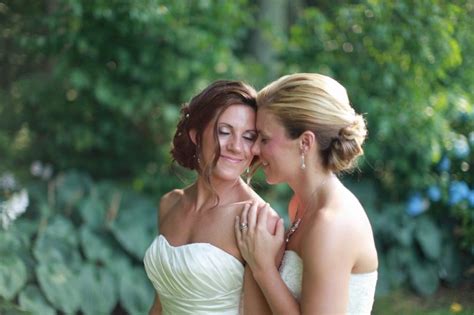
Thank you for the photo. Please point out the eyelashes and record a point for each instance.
(247, 136)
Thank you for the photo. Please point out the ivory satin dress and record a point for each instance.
(361, 286)
(196, 278)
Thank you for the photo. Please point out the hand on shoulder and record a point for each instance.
(264, 212)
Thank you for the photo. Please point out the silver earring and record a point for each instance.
(303, 165)
(198, 150)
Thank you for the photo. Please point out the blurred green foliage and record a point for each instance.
(97, 86)
(79, 248)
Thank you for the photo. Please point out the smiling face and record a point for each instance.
(236, 135)
(280, 155)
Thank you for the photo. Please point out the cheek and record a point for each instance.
(269, 149)
(248, 148)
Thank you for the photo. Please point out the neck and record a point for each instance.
(311, 190)
(205, 198)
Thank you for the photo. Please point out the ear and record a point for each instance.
(192, 134)
(307, 140)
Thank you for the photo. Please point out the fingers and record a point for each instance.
(238, 232)
(245, 212)
(262, 216)
(252, 216)
(280, 229)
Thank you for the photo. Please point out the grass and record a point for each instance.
(459, 301)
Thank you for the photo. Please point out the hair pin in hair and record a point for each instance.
(186, 116)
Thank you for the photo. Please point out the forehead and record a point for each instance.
(268, 124)
(238, 115)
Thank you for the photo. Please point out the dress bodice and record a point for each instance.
(361, 286)
(196, 278)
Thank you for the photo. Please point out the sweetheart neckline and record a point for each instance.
(177, 247)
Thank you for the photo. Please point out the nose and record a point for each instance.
(256, 148)
(235, 144)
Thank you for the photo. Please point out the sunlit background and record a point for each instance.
(90, 93)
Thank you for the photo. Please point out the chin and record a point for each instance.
(228, 176)
(270, 180)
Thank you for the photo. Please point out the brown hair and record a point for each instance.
(203, 108)
(315, 102)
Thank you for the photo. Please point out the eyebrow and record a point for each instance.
(263, 133)
(221, 124)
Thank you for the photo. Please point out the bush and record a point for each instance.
(79, 247)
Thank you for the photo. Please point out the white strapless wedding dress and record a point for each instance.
(196, 278)
(361, 286)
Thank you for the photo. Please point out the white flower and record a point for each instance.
(47, 172)
(7, 181)
(36, 168)
(13, 207)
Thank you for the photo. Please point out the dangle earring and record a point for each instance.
(303, 165)
(197, 155)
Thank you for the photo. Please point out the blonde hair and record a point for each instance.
(318, 103)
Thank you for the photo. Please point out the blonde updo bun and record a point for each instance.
(347, 147)
(318, 103)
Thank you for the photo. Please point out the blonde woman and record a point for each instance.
(307, 134)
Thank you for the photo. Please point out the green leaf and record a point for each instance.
(58, 243)
(71, 187)
(397, 260)
(13, 276)
(9, 241)
(93, 210)
(119, 266)
(31, 299)
(450, 264)
(99, 246)
(384, 279)
(98, 290)
(60, 286)
(424, 277)
(136, 292)
(133, 228)
(428, 237)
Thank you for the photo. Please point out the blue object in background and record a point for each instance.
(470, 198)
(434, 193)
(461, 148)
(458, 191)
(445, 164)
(416, 205)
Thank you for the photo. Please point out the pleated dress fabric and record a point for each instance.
(196, 278)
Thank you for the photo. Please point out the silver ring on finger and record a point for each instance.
(243, 226)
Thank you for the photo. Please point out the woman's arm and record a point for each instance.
(328, 253)
(156, 307)
(253, 299)
(261, 249)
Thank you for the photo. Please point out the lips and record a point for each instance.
(231, 159)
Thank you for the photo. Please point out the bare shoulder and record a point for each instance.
(168, 201)
(337, 232)
(327, 234)
(252, 195)
(249, 195)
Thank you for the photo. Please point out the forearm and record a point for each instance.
(276, 292)
(253, 299)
